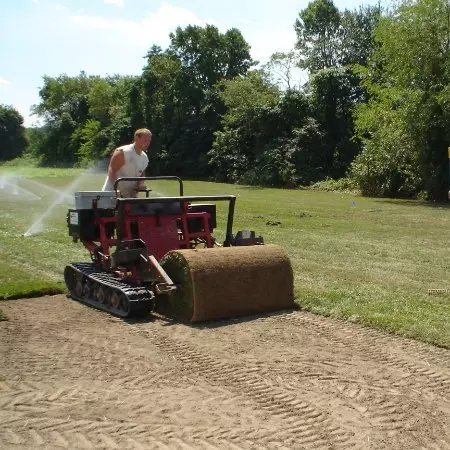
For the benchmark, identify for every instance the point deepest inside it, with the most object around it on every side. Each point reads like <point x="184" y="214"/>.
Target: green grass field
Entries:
<point x="369" y="261"/>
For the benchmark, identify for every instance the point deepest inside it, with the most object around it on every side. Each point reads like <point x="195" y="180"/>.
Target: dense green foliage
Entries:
<point x="12" y="133"/>
<point x="374" y="109"/>
<point x="405" y="125"/>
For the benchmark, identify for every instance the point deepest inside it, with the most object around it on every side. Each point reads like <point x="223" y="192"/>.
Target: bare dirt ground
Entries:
<point x="75" y="377"/>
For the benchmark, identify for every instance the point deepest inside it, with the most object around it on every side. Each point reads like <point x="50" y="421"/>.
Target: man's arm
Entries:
<point x="141" y="183"/>
<point x="117" y="161"/>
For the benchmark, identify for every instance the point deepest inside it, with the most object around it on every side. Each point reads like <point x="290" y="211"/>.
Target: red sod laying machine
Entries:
<point x="153" y="253"/>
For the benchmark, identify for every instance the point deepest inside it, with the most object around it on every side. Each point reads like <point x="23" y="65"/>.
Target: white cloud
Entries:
<point x="264" y="44"/>
<point x="118" y="3"/>
<point x="57" y="6"/>
<point x="154" y="27"/>
<point x="4" y="82"/>
<point x="97" y="22"/>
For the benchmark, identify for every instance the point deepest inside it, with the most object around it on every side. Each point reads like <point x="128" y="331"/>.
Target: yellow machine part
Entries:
<point x="215" y="283"/>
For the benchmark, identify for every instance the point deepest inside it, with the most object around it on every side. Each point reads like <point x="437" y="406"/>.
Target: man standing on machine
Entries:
<point x="129" y="161"/>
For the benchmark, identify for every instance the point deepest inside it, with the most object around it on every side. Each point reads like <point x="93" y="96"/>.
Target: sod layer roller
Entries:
<point x="215" y="283"/>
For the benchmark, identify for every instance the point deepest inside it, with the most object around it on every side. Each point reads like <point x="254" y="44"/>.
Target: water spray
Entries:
<point x="10" y="183"/>
<point x="62" y="198"/>
<point x="51" y="189"/>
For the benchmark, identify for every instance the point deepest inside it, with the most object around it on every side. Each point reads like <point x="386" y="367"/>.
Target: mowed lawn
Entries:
<point x="370" y="261"/>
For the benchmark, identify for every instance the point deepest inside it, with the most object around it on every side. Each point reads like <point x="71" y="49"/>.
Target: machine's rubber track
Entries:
<point x="106" y="292"/>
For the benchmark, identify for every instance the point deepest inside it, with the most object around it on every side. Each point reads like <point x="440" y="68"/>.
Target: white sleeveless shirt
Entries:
<point x="134" y="166"/>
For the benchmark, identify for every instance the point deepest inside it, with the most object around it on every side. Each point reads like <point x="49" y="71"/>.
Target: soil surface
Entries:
<point x="75" y="377"/>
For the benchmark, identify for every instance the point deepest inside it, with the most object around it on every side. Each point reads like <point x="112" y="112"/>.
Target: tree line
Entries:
<point x="373" y="113"/>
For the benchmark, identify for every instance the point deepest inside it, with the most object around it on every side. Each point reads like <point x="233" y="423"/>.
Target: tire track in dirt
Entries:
<point x="386" y="408"/>
<point x="58" y="360"/>
<point x="390" y="404"/>
<point x="274" y="406"/>
<point x="41" y="402"/>
<point x="148" y="411"/>
<point x="296" y="396"/>
<point x="30" y="439"/>
<point x="309" y="425"/>
<point x="373" y="344"/>
<point x="114" y="434"/>
<point x="80" y="353"/>
<point x="42" y="395"/>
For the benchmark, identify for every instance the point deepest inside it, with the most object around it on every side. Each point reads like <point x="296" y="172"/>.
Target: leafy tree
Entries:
<point x="70" y="106"/>
<point x="135" y="106"/>
<point x="55" y="144"/>
<point x="64" y="107"/>
<point x="268" y="138"/>
<point x="333" y="97"/>
<point x="64" y="94"/>
<point x="101" y="98"/>
<point x="209" y="55"/>
<point x="249" y="102"/>
<point x="328" y="38"/>
<point x="330" y="44"/>
<point x="404" y="126"/>
<point x="297" y="159"/>
<point x="387" y="166"/>
<point x="281" y="67"/>
<point x="90" y="139"/>
<point x="317" y="30"/>
<point x="171" y="104"/>
<point x="12" y="133"/>
<point x="244" y="93"/>
<point x="126" y="111"/>
<point x="179" y="96"/>
<point x="357" y="34"/>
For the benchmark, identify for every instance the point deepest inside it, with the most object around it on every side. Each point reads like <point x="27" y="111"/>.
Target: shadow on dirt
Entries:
<point x="217" y="323"/>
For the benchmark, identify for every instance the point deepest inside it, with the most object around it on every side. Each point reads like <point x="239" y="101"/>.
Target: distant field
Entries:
<point x="369" y="261"/>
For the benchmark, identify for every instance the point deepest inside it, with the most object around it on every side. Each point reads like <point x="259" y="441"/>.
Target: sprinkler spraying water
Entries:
<point x="37" y="227"/>
<point x="67" y="197"/>
<point x="15" y="189"/>
<point x="62" y="198"/>
<point x="10" y="187"/>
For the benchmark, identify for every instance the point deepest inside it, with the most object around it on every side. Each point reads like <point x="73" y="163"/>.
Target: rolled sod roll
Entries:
<point x="215" y="283"/>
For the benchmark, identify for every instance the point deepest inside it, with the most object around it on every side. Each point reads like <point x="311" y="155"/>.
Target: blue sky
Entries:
<point x="54" y="37"/>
